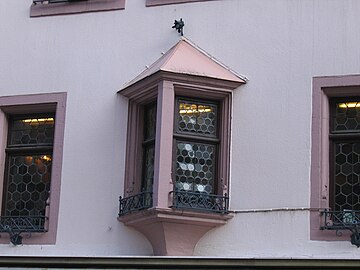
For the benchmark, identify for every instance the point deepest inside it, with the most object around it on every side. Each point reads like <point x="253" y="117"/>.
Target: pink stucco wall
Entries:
<point x="279" y="45"/>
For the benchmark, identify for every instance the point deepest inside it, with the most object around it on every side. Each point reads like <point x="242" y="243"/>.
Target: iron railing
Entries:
<point x="137" y="202"/>
<point x="200" y="201"/>
<point x="15" y="225"/>
<point x="341" y="221"/>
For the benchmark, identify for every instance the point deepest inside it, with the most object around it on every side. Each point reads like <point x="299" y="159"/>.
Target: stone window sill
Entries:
<point x="38" y="10"/>
<point x="150" y="3"/>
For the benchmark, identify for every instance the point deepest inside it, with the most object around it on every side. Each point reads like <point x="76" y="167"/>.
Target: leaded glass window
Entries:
<point x="195" y="167"/>
<point x="196" y="146"/>
<point x="149" y="147"/>
<point x="28" y="165"/>
<point x="197" y="118"/>
<point x="345" y="154"/>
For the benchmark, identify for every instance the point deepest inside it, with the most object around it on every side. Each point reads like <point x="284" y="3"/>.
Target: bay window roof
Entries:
<point x="186" y="58"/>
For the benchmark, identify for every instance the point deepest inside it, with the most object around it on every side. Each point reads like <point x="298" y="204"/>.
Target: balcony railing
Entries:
<point x="342" y="221"/>
<point x="200" y="201"/>
<point x="137" y="202"/>
<point x="15" y="225"/>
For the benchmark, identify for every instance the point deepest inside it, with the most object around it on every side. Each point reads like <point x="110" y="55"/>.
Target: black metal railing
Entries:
<point x="200" y="201"/>
<point x="15" y="225"/>
<point x="341" y="221"/>
<point x="137" y="202"/>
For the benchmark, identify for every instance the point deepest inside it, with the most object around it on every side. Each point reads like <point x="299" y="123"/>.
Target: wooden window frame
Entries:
<point x="180" y="136"/>
<point x="336" y="137"/>
<point x="19" y="150"/>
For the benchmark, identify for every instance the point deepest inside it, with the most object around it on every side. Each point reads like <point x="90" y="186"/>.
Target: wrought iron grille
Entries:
<point x="342" y="221"/>
<point x="15" y="225"/>
<point x="200" y="201"/>
<point x="137" y="202"/>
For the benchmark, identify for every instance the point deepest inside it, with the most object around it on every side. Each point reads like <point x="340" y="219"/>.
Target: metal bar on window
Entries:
<point x="200" y="201"/>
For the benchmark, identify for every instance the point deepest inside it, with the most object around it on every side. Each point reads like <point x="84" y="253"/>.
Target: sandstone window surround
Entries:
<point x="46" y="108"/>
<point x="331" y="171"/>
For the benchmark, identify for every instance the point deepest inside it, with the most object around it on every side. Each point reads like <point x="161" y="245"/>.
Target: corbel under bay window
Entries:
<point x="178" y="149"/>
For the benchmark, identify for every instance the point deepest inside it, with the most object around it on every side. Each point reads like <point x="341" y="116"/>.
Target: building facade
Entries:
<point x="239" y="139"/>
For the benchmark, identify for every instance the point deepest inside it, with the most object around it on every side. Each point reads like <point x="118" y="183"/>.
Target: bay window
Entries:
<point x="177" y="170"/>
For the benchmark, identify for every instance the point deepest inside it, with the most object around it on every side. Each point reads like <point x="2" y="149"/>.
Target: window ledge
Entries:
<point x="173" y="231"/>
<point x="150" y="3"/>
<point x="38" y="10"/>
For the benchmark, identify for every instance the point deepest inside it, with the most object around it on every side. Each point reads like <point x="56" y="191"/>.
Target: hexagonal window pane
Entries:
<point x="197" y="117"/>
<point x="340" y="179"/>
<point x="23" y="187"/>
<point x="28" y="130"/>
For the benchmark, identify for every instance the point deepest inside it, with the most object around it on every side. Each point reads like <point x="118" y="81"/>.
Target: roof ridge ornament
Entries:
<point x="179" y="26"/>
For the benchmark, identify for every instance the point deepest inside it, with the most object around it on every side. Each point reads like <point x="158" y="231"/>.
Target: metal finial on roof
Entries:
<point x="179" y="25"/>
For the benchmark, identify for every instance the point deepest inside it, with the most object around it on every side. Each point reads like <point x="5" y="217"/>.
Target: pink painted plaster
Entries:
<point x="323" y="89"/>
<point x="37" y="10"/>
<point x="38" y="103"/>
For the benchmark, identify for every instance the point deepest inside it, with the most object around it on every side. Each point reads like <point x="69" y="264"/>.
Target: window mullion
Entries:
<point x="196" y="138"/>
<point x="32" y="149"/>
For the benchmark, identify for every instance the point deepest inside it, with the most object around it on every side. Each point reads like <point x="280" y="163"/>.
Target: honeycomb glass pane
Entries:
<point x="195" y="167"/>
<point x="32" y="131"/>
<point x="150" y="122"/>
<point x="347" y="185"/>
<point x="197" y="117"/>
<point x="22" y="187"/>
<point x="346" y="116"/>
<point x="148" y="178"/>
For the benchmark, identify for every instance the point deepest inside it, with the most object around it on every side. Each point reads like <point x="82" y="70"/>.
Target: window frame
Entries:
<point x="341" y="136"/>
<point x="50" y="9"/>
<point x="37" y="104"/>
<point x="324" y="89"/>
<point x="180" y="136"/>
<point x="145" y="145"/>
<point x="13" y="150"/>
